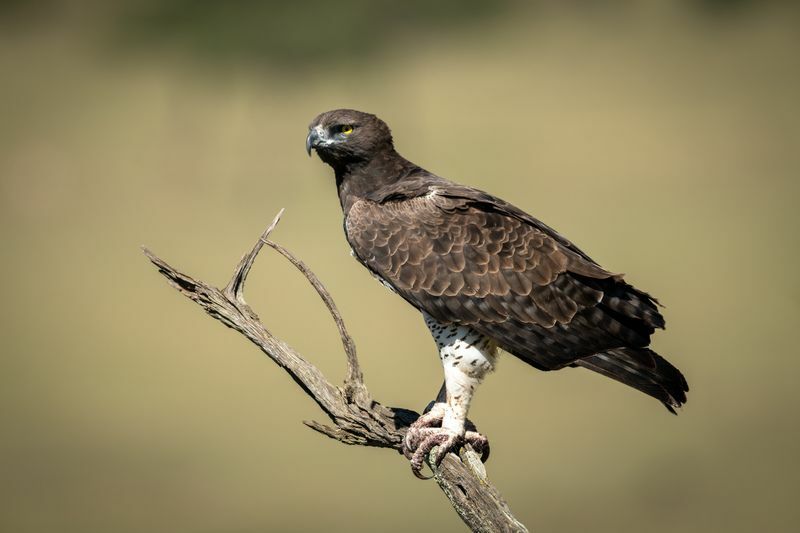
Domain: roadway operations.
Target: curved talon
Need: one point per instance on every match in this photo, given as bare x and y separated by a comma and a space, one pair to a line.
479, 443
419, 475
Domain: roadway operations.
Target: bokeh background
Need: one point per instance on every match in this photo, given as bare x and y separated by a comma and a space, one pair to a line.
662, 137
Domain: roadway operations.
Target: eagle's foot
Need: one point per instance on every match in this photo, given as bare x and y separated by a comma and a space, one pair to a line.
434, 414
432, 418
420, 441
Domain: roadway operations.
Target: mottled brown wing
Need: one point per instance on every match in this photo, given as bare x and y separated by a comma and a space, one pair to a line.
462, 261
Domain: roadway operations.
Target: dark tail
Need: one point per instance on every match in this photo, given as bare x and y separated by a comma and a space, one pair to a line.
642, 369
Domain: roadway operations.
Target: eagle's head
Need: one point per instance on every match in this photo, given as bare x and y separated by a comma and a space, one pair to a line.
345, 136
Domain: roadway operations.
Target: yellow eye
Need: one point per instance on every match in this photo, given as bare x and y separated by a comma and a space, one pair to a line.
347, 130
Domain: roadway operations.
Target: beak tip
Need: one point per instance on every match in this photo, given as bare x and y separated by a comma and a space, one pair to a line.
311, 141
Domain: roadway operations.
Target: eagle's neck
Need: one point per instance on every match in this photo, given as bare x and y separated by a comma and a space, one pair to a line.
368, 178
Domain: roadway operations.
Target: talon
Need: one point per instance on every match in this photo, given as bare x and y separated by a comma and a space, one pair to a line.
426, 433
479, 443
420, 475
445, 440
431, 419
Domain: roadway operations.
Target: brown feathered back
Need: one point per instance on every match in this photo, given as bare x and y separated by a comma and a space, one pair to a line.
465, 257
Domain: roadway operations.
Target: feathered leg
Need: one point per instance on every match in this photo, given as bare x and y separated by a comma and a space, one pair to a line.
467, 357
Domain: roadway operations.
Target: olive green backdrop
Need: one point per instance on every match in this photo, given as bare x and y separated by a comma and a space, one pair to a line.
662, 137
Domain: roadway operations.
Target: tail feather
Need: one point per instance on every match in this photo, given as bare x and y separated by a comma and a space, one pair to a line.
642, 369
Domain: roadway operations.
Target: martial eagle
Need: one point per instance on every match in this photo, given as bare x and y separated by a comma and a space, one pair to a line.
485, 275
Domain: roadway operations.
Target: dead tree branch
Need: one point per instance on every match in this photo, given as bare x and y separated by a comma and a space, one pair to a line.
355, 418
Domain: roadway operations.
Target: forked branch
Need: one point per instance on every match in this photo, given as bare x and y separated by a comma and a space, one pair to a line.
355, 418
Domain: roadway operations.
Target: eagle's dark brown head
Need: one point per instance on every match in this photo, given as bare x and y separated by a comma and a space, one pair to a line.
345, 136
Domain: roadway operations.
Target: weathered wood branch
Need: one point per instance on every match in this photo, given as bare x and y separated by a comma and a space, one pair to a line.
355, 417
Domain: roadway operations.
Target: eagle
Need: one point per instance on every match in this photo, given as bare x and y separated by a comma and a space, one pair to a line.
486, 276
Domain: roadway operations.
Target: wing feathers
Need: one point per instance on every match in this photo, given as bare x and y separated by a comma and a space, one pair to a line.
517, 281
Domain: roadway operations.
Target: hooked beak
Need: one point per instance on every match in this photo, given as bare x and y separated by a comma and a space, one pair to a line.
314, 139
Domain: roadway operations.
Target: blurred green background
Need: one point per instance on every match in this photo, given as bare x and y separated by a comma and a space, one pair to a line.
662, 137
